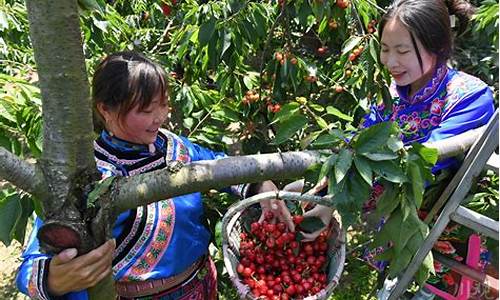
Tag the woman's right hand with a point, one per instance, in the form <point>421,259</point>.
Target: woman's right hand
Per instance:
<point>68,273</point>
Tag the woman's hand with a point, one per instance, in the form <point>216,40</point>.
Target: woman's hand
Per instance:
<point>324,213</point>
<point>277,207</point>
<point>68,273</point>
<point>279,210</point>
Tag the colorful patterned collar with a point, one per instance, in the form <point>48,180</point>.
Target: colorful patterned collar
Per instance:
<point>126,146</point>
<point>428,90</point>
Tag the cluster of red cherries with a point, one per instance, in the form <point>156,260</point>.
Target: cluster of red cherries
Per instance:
<point>275,265</point>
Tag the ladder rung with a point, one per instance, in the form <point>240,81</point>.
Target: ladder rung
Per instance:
<point>493,163</point>
<point>476,221</point>
<point>465,270</point>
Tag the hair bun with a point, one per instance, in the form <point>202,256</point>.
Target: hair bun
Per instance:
<point>462,10</point>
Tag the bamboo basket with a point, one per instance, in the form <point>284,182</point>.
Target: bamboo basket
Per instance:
<point>232,227</point>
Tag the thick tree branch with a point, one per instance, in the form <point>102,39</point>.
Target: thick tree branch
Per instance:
<point>21,173</point>
<point>456,145</point>
<point>132,192</point>
<point>203,175</point>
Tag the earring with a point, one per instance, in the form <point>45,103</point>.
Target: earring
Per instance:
<point>152,148</point>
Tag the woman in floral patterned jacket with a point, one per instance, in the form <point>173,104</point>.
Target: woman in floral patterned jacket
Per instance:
<point>431,101</point>
<point>159,250</point>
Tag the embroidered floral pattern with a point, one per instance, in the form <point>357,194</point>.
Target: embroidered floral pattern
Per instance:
<point>444,247</point>
<point>417,120</point>
<point>35,285</point>
<point>159,245</point>
<point>162,233</point>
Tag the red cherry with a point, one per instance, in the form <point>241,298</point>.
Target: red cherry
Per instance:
<point>166,9</point>
<point>343,4</point>
<point>297,219</point>
<point>268,215</point>
<point>240,268</point>
<point>291,290</point>
<point>276,108</point>
<point>321,50</point>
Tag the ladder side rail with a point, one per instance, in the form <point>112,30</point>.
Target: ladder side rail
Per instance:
<point>491,126</point>
<point>489,142</point>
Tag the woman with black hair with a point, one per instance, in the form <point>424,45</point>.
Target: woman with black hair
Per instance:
<point>430,100</point>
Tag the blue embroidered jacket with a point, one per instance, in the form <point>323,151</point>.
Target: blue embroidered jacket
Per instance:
<point>152,241</point>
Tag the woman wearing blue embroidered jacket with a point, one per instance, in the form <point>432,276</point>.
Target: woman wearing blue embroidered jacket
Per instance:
<point>159,250</point>
<point>431,100</point>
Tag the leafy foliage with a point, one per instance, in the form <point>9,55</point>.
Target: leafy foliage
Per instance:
<point>379,156</point>
<point>257,76</point>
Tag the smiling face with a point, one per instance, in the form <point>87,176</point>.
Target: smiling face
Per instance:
<point>400,56</point>
<point>139,126</point>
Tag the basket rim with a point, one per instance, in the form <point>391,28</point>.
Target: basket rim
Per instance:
<point>234,212</point>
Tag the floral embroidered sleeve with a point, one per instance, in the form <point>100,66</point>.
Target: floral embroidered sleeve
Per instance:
<point>33,272</point>
<point>471,111</point>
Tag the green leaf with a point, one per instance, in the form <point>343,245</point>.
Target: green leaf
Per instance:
<point>343,164</point>
<point>425,269</point>
<point>350,43</point>
<point>226,42</point>
<point>90,5</point>
<point>326,140</point>
<point>364,169</point>
<point>10,211</point>
<point>417,183</point>
<point>390,230</point>
<point>395,144</point>
<point>100,189</point>
<point>400,262</point>
<point>374,137</point>
<point>289,127</point>
<point>348,214</point>
<point>27,208</point>
<point>430,155</point>
<point>389,170</point>
<point>335,112</point>
<point>359,190</point>
<point>311,176</point>
<point>206,32</point>
<point>218,232</point>
<point>260,23</point>
<point>311,224</point>
<point>378,156</point>
<point>288,110</point>
<point>408,228</point>
<point>327,166</point>
<point>323,25</point>
<point>388,201</point>
<point>321,122</point>
<point>373,50</point>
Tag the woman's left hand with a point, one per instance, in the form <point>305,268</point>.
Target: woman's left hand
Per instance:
<point>277,207</point>
<point>279,210</point>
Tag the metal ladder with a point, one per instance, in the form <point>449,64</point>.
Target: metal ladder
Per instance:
<point>475,161</point>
